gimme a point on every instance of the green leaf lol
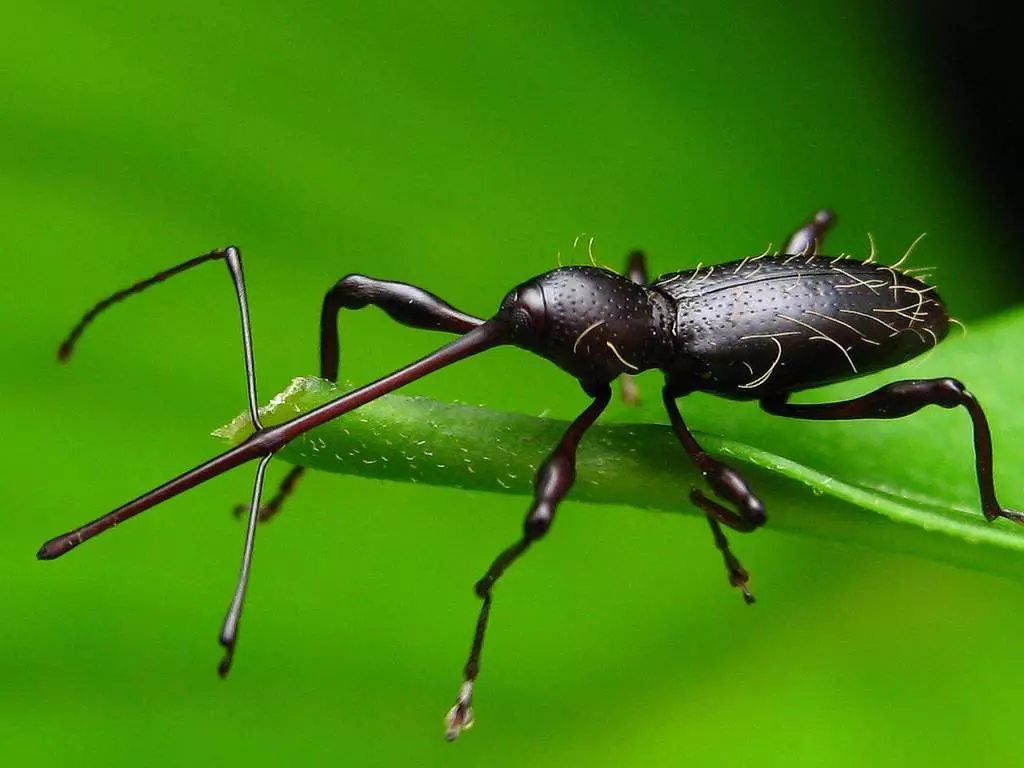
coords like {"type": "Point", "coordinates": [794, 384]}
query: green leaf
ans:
{"type": "Point", "coordinates": [895, 485]}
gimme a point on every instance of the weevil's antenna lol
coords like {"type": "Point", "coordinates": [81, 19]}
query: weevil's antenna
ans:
{"type": "Point", "coordinates": [67, 346]}
{"type": "Point", "coordinates": [233, 260]}
{"type": "Point", "coordinates": [229, 630]}
{"type": "Point", "coordinates": [492, 333]}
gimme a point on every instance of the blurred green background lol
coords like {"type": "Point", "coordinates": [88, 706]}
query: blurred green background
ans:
{"type": "Point", "coordinates": [458, 147]}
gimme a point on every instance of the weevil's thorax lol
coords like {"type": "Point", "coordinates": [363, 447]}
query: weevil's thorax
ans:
{"type": "Point", "coordinates": [591, 322]}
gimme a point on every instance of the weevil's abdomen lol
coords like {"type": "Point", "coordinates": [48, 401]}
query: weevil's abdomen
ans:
{"type": "Point", "coordinates": [785, 323]}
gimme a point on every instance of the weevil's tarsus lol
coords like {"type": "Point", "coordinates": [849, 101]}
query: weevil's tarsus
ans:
{"type": "Point", "coordinates": [738, 576]}
{"type": "Point", "coordinates": [460, 716]}
{"type": "Point", "coordinates": [229, 631]}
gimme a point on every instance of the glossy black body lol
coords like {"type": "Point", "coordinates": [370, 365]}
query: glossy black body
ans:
{"type": "Point", "coordinates": [743, 330]}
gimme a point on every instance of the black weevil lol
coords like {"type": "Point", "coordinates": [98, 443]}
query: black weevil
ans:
{"type": "Point", "coordinates": [757, 329]}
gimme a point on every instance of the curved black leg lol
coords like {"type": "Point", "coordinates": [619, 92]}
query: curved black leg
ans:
{"type": "Point", "coordinates": [727, 484]}
{"type": "Point", "coordinates": [903, 398]}
{"type": "Point", "coordinates": [405, 303]}
{"type": "Point", "coordinates": [808, 239]}
{"type": "Point", "coordinates": [554, 479]}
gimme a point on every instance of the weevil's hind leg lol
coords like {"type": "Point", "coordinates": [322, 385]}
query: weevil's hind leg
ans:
{"type": "Point", "coordinates": [809, 238]}
{"type": "Point", "coordinates": [636, 271]}
{"type": "Point", "coordinates": [405, 303]}
{"type": "Point", "coordinates": [554, 479]}
{"type": "Point", "coordinates": [728, 484]}
{"type": "Point", "coordinates": [903, 398]}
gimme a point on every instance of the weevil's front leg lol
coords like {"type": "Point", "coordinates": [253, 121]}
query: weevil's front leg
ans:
{"type": "Point", "coordinates": [903, 398]}
{"type": "Point", "coordinates": [727, 484]}
{"type": "Point", "coordinates": [636, 271]}
{"type": "Point", "coordinates": [554, 479]}
{"type": "Point", "coordinates": [405, 303]}
{"type": "Point", "coordinates": [808, 239]}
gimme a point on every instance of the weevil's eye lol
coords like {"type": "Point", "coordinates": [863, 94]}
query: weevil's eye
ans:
{"type": "Point", "coordinates": [524, 307]}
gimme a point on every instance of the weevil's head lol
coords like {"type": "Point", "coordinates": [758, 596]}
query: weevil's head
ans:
{"type": "Point", "coordinates": [589, 321]}
{"type": "Point", "coordinates": [525, 312]}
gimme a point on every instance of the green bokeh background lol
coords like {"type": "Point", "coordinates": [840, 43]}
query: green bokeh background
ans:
{"type": "Point", "coordinates": [458, 147]}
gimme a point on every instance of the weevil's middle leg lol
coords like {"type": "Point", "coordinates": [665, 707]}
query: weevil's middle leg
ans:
{"type": "Point", "coordinates": [554, 479]}
{"type": "Point", "coordinates": [728, 484]}
{"type": "Point", "coordinates": [902, 398]}
{"type": "Point", "coordinates": [405, 303]}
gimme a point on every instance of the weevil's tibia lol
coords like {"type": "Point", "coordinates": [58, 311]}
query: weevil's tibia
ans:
{"type": "Point", "coordinates": [554, 479]}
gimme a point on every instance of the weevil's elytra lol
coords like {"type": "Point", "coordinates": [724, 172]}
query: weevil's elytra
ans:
{"type": "Point", "coordinates": [760, 328]}
{"type": "Point", "coordinates": [774, 325]}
